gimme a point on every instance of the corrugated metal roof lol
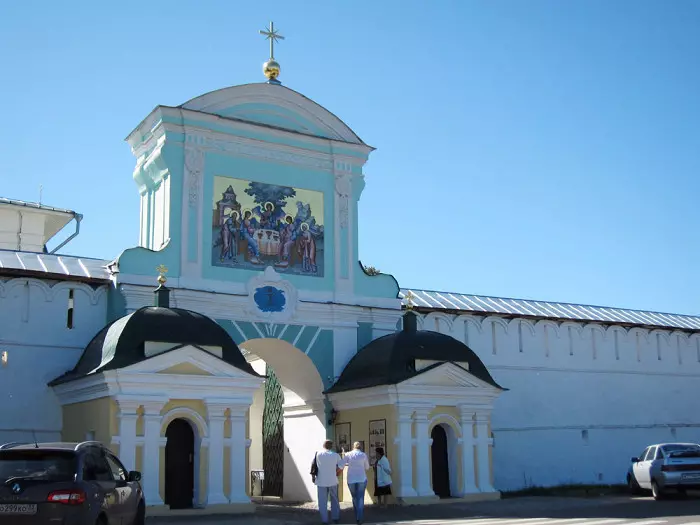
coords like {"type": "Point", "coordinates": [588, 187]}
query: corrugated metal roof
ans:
{"type": "Point", "coordinates": [45, 263]}
{"type": "Point", "coordinates": [424, 299]}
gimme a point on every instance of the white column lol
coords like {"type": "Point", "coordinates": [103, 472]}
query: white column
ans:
{"type": "Point", "coordinates": [127, 431]}
{"type": "Point", "coordinates": [468, 468]}
{"type": "Point", "coordinates": [238, 473]}
{"type": "Point", "coordinates": [483, 442]}
{"type": "Point", "coordinates": [215, 485]}
{"type": "Point", "coordinates": [423, 442]}
{"type": "Point", "coordinates": [152, 422]}
{"type": "Point", "coordinates": [405, 459]}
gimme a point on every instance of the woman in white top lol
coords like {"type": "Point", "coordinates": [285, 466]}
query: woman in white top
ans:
{"type": "Point", "coordinates": [382, 477]}
{"type": "Point", "coordinates": [358, 465]}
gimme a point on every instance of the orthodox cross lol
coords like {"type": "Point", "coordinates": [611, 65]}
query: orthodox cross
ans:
{"type": "Point", "coordinates": [409, 300]}
{"type": "Point", "coordinates": [162, 270]}
{"type": "Point", "coordinates": [273, 36]}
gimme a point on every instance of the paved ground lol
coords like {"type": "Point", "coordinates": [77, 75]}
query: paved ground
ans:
{"type": "Point", "coordinates": [517, 511]}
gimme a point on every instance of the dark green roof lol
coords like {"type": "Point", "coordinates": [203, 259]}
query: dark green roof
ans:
{"type": "Point", "coordinates": [121, 343]}
{"type": "Point", "coordinates": [391, 359]}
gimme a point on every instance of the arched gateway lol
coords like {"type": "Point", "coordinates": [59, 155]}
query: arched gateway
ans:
{"type": "Point", "coordinates": [270, 336]}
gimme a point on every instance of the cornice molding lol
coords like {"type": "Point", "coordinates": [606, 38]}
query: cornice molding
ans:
{"type": "Point", "coordinates": [228, 141]}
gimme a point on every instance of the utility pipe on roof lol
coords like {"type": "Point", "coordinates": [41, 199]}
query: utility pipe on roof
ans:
{"type": "Point", "coordinates": [78, 217]}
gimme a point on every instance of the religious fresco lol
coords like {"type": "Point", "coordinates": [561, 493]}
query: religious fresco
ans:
{"type": "Point", "coordinates": [255, 225]}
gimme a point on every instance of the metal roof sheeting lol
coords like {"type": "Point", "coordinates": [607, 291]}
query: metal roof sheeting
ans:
{"type": "Point", "coordinates": [495, 305]}
{"type": "Point", "coordinates": [48, 264]}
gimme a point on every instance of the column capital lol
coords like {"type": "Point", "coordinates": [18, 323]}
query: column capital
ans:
{"type": "Point", "coordinates": [483, 416]}
{"type": "Point", "coordinates": [216, 410]}
{"type": "Point", "coordinates": [152, 407]}
{"type": "Point", "coordinates": [466, 412]}
{"type": "Point", "coordinates": [238, 411]}
{"type": "Point", "coordinates": [421, 413]}
{"type": "Point", "coordinates": [128, 406]}
{"type": "Point", "coordinates": [405, 413]}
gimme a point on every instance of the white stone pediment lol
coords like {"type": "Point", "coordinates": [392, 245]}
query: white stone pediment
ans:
{"type": "Point", "coordinates": [447, 375]}
{"type": "Point", "coordinates": [187, 372]}
{"type": "Point", "coordinates": [186, 355]}
{"type": "Point", "coordinates": [276, 106]}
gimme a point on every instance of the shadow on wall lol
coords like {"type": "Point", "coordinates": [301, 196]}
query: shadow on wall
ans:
{"type": "Point", "coordinates": [296, 479]}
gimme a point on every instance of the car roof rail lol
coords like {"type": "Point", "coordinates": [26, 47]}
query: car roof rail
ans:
{"type": "Point", "coordinates": [13, 444]}
{"type": "Point", "coordinates": [88, 444]}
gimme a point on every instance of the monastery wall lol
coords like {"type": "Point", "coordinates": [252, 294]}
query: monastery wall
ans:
{"type": "Point", "coordinates": [583, 398]}
{"type": "Point", "coordinates": [44, 327]}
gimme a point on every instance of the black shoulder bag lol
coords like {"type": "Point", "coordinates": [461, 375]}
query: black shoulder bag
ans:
{"type": "Point", "coordinates": [314, 469]}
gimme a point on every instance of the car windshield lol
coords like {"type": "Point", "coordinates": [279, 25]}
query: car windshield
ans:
{"type": "Point", "coordinates": [682, 451]}
{"type": "Point", "coordinates": [37, 464]}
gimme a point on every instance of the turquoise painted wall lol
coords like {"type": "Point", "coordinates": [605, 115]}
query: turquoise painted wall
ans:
{"type": "Point", "coordinates": [170, 163]}
{"type": "Point", "coordinates": [320, 352]}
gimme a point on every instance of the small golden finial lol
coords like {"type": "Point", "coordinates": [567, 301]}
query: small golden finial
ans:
{"type": "Point", "coordinates": [409, 300]}
{"type": "Point", "coordinates": [162, 270]}
{"type": "Point", "coordinates": [271, 68]}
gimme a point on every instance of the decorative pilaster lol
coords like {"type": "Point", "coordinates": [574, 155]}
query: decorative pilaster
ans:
{"type": "Point", "coordinates": [152, 422]}
{"type": "Point", "coordinates": [483, 442]}
{"type": "Point", "coordinates": [466, 421]}
{"type": "Point", "coordinates": [423, 442]}
{"type": "Point", "coordinates": [128, 414]}
{"type": "Point", "coordinates": [405, 459]}
{"type": "Point", "coordinates": [237, 470]}
{"type": "Point", "coordinates": [216, 413]}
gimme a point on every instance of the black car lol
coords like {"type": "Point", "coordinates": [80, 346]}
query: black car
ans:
{"type": "Point", "coordinates": [67, 483]}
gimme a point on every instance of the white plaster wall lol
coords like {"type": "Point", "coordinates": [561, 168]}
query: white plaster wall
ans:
{"type": "Point", "coordinates": [303, 437]}
{"type": "Point", "coordinates": [255, 421]}
{"type": "Point", "coordinates": [25, 221]}
{"type": "Point", "coordinates": [39, 348]}
{"type": "Point", "coordinates": [582, 399]}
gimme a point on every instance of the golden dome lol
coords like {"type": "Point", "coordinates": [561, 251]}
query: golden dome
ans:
{"type": "Point", "coordinates": [271, 69]}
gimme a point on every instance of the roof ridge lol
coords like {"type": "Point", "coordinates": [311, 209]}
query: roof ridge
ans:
{"type": "Point", "coordinates": [691, 316]}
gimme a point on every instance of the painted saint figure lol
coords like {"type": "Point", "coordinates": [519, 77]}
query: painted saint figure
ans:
{"type": "Point", "coordinates": [247, 232]}
{"type": "Point", "coordinates": [266, 219]}
{"type": "Point", "coordinates": [229, 236]}
{"type": "Point", "coordinates": [307, 250]}
{"type": "Point", "coordinates": [287, 238]}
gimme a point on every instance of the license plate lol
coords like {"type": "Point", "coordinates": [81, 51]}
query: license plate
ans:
{"type": "Point", "coordinates": [17, 508]}
{"type": "Point", "coordinates": [690, 477]}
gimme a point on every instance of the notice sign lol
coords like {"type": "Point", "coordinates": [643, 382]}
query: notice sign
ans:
{"type": "Point", "coordinates": [377, 438]}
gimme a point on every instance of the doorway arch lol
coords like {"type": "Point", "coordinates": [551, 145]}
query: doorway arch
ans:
{"type": "Point", "coordinates": [179, 464]}
{"type": "Point", "coordinates": [287, 418]}
{"type": "Point", "coordinates": [440, 462]}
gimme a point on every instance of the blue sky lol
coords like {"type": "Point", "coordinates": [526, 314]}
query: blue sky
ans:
{"type": "Point", "coordinates": [534, 149]}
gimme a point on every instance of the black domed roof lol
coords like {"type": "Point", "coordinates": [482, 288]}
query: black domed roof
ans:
{"type": "Point", "coordinates": [390, 359]}
{"type": "Point", "coordinates": [122, 342]}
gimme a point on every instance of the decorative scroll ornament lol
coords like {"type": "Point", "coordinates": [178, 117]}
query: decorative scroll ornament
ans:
{"type": "Point", "coordinates": [270, 297]}
{"type": "Point", "coordinates": [194, 166]}
{"type": "Point", "coordinates": [343, 188]}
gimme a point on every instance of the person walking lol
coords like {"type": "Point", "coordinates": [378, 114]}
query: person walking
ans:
{"type": "Point", "coordinates": [326, 467]}
{"type": "Point", "coordinates": [358, 465]}
{"type": "Point", "coordinates": [382, 478]}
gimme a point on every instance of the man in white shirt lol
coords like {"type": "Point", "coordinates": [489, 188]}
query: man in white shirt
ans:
{"type": "Point", "coordinates": [358, 465]}
{"type": "Point", "coordinates": [328, 462]}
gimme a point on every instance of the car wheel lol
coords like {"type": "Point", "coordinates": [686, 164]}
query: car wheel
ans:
{"type": "Point", "coordinates": [632, 485]}
{"type": "Point", "coordinates": [656, 491]}
{"type": "Point", "coordinates": [101, 520]}
{"type": "Point", "coordinates": [140, 518]}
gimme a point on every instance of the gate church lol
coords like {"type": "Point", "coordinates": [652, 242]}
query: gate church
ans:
{"type": "Point", "coordinates": [265, 335]}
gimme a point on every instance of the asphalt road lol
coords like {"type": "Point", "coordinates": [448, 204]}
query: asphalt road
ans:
{"type": "Point", "coordinates": [521, 511]}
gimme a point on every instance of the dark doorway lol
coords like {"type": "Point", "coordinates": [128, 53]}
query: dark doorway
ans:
{"type": "Point", "coordinates": [273, 436]}
{"type": "Point", "coordinates": [441, 466]}
{"type": "Point", "coordinates": [179, 465]}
